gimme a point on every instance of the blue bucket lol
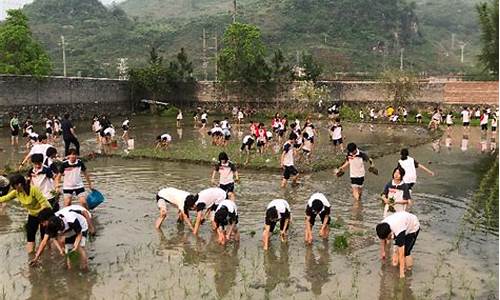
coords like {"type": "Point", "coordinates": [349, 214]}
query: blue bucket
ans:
{"type": "Point", "coordinates": [94, 198]}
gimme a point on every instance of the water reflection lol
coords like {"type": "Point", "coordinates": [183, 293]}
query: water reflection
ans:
{"type": "Point", "coordinates": [317, 267]}
{"type": "Point", "coordinates": [465, 143]}
{"type": "Point", "coordinates": [391, 286]}
{"type": "Point", "coordinates": [53, 281]}
{"type": "Point", "coordinates": [277, 267]}
{"type": "Point", "coordinates": [225, 269]}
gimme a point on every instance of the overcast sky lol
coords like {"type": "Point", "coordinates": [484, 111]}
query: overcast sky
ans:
{"type": "Point", "coordinates": [9, 4]}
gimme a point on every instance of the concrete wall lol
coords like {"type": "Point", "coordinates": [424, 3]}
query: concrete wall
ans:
{"type": "Point", "coordinates": [82, 97]}
{"type": "Point", "coordinates": [446, 93]}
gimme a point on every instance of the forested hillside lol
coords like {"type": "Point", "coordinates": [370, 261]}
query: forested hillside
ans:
{"type": "Point", "coordinates": [344, 35]}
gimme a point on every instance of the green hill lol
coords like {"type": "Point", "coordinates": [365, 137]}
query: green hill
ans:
{"type": "Point", "coordinates": [345, 35]}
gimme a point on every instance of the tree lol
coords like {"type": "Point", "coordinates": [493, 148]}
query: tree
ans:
{"type": "Point", "coordinates": [20, 53]}
{"type": "Point", "coordinates": [280, 70]}
{"type": "Point", "coordinates": [488, 21]}
{"type": "Point", "coordinates": [242, 57]}
{"type": "Point", "coordinates": [152, 79]}
{"type": "Point", "coordinates": [312, 69]}
{"type": "Point", "coordinates": [181, 69]}
{"type": "Point", "coordinates": [161, 80]}
{"type": "Point", "coordinates": [400, 86]}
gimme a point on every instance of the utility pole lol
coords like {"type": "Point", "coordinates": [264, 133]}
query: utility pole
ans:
{"type": "Point", "coordinates": [63, 55]}
{"type": "Point", "coordinates": [205, 63]}
{"type": "Point", "coordinates": [234, 11]}
{"type": "Point", "coordinates": [452, 41]}
{"type": "Point", "coordinates": [401, 59]}
{"type": "Point", "coordinates": [297, 57]}
{"type": "Point", "coordinates": [216, 58]}
{"type": "Point", "coordinates": [462, 46]}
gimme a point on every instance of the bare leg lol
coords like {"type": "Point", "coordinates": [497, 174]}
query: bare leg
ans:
{"type": "Point", "coordinates": [83, 201]}
{"type": "Point", "coordinates": [161, 218]}
{"type": "Point", "coordinates": [30, 247]}
{"type": "Point", "coordinates": [84, 263]}
{"type": "Point", "coordinates": [67, 200]}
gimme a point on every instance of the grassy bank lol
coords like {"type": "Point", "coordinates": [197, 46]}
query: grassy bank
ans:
{"type": "Point", "coordinates": [483, 210]}
{"type": "Point", "coordinates": [206, 154]}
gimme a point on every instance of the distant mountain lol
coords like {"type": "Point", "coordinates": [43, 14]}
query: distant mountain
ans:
{"type": "Point", "coordinates": [345, 35]}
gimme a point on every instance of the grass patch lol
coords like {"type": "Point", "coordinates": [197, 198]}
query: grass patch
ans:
{"type": "Point", "coordinates": [340, 242]}
{"type": "Point", "coordinates": [193, 152]}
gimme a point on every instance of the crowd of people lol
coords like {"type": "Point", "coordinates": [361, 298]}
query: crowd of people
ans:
{"type": "Point", "coordinates": [69, 225]}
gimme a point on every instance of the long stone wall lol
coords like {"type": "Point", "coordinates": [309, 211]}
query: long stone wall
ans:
{"type": "Point", "coordinates": [81, 97]}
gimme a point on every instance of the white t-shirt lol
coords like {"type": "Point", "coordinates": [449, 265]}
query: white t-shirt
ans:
{"type": "Point", "coordinates": [356, 164]}
{"type": "Point", "coordinates": [240, 115]}
{"type": "Point", "coordinates": [166, 137]}
{"type": "Point", "coordinates": [40, 149]}
{"type": "Point", "coordinates": [224, 124]}
{"type": "Point", "coordinates": [247, 138]}
{"type": "Point", "coordinates": [478, 113]}
{"type": "Point", "coordinates": [72, 217]}
{"type": "Point", "coordinates": [175, 196]}
{"type": "Point", "coordinates": [75, 208]}
{"type": "Point", "coordinates": [449, 119]}
{"type": "Point", "coordinates": [125, 123]}
{"type": "Point", "coordinates": [410, 171]}
{"type": "Point", "coordinates": [179, 116]}
{"type": "Point", "coordinates": [402, 221]}
{"type": "Point", "coordinates": [211, 196]}
{"type": "Point", "coordinates": [318, 196]}
{"type": "Point", "coordinates": [484, 119]}
{"type": "Point", "coordinates": [465, 116]}
{"type": "Point", "coordinates": [337, 132]}
{"type": "Point", "coordinates": [110, 131]}
{"type": "Point", "coordinates": [280, 204]}
{"type": "Point", "coordinates": [204, 116]}
{"type": "Point", "coordinates": [230, 205]}
{"type": "Point", "coordinates": [288, 150]}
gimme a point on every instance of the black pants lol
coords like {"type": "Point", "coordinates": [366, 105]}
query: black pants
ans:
{"type": "Point", "coordinates": [71, 140]}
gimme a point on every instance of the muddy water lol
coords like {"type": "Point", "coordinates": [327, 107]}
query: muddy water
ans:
{"type": "Point", "coordinates": [130, 260]}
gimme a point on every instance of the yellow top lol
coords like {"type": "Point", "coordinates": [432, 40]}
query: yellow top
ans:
{"type": "Point", "coordinates": [34, 202]}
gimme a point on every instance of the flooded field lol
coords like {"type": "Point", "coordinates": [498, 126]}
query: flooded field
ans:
{"type": "Point", "coordinates": [131, 260]}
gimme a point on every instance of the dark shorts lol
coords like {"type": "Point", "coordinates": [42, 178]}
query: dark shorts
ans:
{"type": "Point", "coordinates": [289, 171]}
{"type": "Point", "coordinates": [466, 123]}
{"type": "Point", "coordinates": [419, 117]}
{"type": "Point", "coordinates": [203, 121]}
{"type": "Point", "coordinates": [75, 192]}
{"type": "Point", "coordinates": [124, 127]}
{"type": "Point", "coordinates": [272, 225]}
{"type": "Point", "coordinates": [55, 204]}
{"type": "Point", "coordinates": [306, 152]}
{"type": "Point", "coordinates": [484, 127]}
{"type": "Point", "coordinates": [15, 132]}
{"type": "Point", "coordinates": [410, 185]}
{"type": "Point", "coordinates": [337, 142]}
{"type": "Point", "coordinates": [322, 215]}
{"type": "Point", "coordinates": [493, 129]}
{"type": "Point", "coordinates": [228, 188]}
{"type": "Point", "coordinates": [260, 144]}
{"type": "Point", "coordinates": [48, 130]}
{"type": "Point", "coordinates": [449, 125]}
{"type": "Point", "coordinates": [248, 145]}
{"type": "Point", "coordinates": [32, 226]}
{"type": "Point", "coordinates": [311, 139]}
{"type": "Point", "coordinates": [281, 132]}
{"type": "Point", "coordinates": [71, 240]}
{"type": "Point", "coordinates": [410, 240]}
{"type": "Point", "coordinates": [357, 181]}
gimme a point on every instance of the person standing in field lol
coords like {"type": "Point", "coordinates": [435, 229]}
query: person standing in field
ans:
{"type": "Point", "coordinates": [355, 160]}
{"type": "Point", "coordinates": [69, 135]}
{"type": "Point", "coordinates": [228, 175]}
{"type": "Point", "coordinates": [14, 130]}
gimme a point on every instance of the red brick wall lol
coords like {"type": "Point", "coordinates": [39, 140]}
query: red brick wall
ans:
{"type": "Point", "coordinates": [471, 92]}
